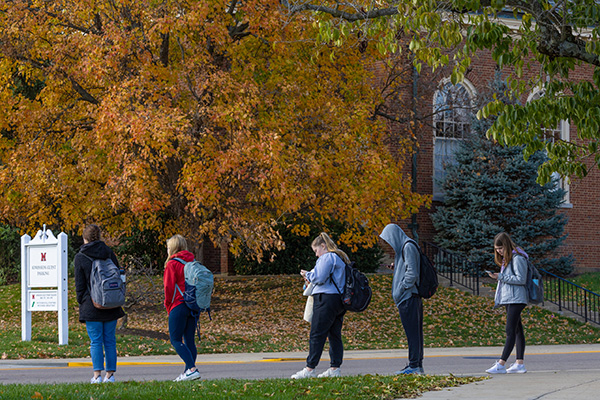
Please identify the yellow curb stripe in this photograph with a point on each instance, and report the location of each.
(124, 363)
(266, 360)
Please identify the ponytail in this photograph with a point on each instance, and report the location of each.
(324, 238)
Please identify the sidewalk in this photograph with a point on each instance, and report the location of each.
(555, 372)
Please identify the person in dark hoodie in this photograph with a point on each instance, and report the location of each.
(101, 324)
(512, 294)
(405, 294)
(182, 320)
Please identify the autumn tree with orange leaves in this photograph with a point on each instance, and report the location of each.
(208, 119)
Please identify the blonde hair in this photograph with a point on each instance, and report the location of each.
(324, 238)
(175, 244)
(503, 240)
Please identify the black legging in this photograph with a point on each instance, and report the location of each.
(514, 331)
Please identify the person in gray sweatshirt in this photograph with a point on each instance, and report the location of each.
(405, 294)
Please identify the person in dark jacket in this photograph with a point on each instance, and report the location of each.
(101, 324)
(182, 321)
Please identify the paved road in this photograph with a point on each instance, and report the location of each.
(566, 371)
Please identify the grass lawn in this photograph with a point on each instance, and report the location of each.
(261, 314)
(590, 281)
(355, 388)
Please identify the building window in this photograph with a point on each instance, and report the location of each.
(560, 132)
(452, 114)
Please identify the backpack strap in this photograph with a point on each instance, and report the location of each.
(86, 256)
(512, 267)
(407, 242)
(332, 281)
(331, 274)
(177, 288)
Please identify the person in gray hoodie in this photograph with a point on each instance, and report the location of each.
(405, 293)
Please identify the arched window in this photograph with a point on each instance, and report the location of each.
(452, 115)
(560, 132)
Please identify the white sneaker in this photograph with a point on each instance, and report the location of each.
(304, 373)
(516, 369)
(497, 369)
(331, 373)
(97, 379)
(110, 379)
(188, 375)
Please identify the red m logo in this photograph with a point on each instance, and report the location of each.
(43, 256)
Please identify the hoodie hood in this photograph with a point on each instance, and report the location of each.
(395, 237)
(520, 251)
(96, 249)
(184, 255)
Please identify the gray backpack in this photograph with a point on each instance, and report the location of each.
(106, 287)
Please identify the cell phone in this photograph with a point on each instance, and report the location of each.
(487, 272)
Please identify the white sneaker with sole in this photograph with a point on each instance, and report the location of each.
(109, 379)
(188, 375)
(497, 369)
(304, 373)
(331, 373)
(516, 369)
(97, 379)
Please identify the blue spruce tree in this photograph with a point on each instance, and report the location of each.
(491, 189)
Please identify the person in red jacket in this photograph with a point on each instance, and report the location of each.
(182, 320)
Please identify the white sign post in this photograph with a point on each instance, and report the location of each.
(44, 265)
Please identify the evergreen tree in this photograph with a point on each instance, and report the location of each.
(491, 189)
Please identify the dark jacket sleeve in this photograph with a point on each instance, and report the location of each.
(81, 279)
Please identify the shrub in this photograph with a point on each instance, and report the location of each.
(10, 254)
(298, 253)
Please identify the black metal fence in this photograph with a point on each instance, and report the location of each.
(565, 294)
(572, 297)
(457, 269)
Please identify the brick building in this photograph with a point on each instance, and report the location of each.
(435, 147)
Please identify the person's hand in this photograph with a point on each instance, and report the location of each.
(493, 275)
(303, 273)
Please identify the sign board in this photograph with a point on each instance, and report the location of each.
(43, 300)
(44, 265)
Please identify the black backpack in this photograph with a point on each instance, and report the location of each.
(357, 292)
(428, 279)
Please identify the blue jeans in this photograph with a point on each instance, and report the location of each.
(411, 315)
(182, 328)
(103, 343)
